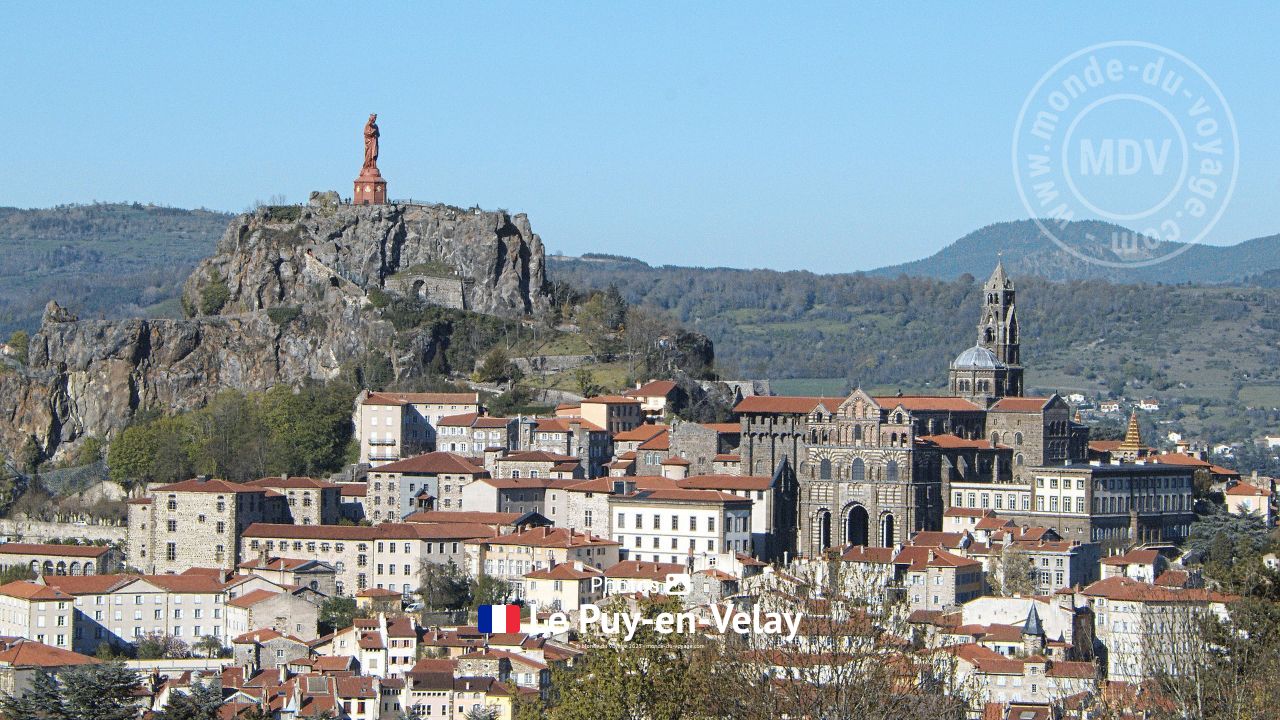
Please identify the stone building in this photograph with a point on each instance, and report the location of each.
(702, 443)
(53, 559)
(871, 470)
(196, 523)
(395, 425)
(309, 501)
(395, 490)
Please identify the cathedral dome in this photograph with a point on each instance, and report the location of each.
(977, 357)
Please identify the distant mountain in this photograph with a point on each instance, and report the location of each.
(110, 260)
(1025, 250)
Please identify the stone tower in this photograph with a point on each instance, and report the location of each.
(1132, 447)
(992, 368)
(1033, 633)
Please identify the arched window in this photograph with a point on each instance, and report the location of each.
(857, 432)
(824, 469)
(75, 568)
(858, 470)
(48, 567)
(1017, 438)
(891, 471)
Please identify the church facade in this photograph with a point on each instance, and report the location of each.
(872, 470)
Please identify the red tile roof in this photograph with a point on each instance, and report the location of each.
(538, 456)
(53, 549)
(784, 404)
(292, 482)
(1119, 587)
(611, 400)
(565, 571)
(605, 484)
(546, 537)
(640, 433)
(684, 495)
(208, 486)
(463, 516)
(565, 425)
(88, 584)
(1020, 404)
(354, 489)
(403, 398)
(32, 591)
(926, 402)
(661, 441)
(252, 598)
(653, 388)
(1239, 489)
(637, 570)
(432, 463)
(27, 653)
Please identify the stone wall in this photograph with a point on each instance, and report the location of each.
(36, 531)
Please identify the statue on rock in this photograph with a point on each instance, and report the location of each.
(370, 188)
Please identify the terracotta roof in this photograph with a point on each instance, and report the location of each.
(83, 551)
(966, 512)
(676, 460)
(313, 532)
(354, 489)
(88, 584)
(377, 592)
(252, 598)
(661, 441)
(565, 571)
(1173, 578)
(727, 482)
(400, 398)
(463, 420)
(1119, 587)
(1239, 489)
(32, 591)
(682, 495)
(611, 400)
(28, 653)
(653, 388)
(185, 583)
(275, 563)
(546, 537)
(292, 482)
(432, 463)
(1020, 404)
(784, 404)
(605, 484)
(209, 486)
(640, 433)
(1184, 459)
(937, 538)
(947, 441)
(637, 570)
(918, 558)
(262, 635)
(1138, 557)
(564, 425)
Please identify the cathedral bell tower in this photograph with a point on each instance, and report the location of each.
(992, 368)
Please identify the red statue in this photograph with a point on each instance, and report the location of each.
(370, 188)
(371, 144)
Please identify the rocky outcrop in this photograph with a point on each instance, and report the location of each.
(295, 305)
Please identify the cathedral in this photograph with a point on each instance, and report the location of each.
(872, 470)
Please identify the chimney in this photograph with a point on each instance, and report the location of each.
(283, 673)
(284, 476)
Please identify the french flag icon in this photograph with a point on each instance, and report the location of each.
(499, 618)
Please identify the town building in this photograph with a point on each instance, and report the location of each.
(422, 482)
(58, 559)
(656, 398)
(574, 437)
(565, 587)
(309, 501)
(681, 525)
(36, 612)
(395, 425)
(511, 557)
(873, 469)
(614, 413)
(197, 523)
(1241, 499)
(471, 433)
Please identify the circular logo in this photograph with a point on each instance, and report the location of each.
(1131, 133)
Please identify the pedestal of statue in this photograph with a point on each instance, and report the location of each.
(370, 188)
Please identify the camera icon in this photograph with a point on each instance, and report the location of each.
(677, 584)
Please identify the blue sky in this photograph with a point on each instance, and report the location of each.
(830, 137)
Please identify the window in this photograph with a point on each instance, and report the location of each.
(172, 525)
(171, 551)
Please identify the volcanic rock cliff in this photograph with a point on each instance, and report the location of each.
(288, 295)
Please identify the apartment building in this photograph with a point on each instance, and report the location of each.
(472, 434)
(197, 523)
(309, 501)
(434, 479)
(534, 464)
(939, 580)
(585, 504)
(574, 437)
(36, 612)
(770, 515)
(614, 413)
(387, 556)
(510, 557)
(392, 425)
(674, 525)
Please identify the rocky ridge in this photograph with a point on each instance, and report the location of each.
(292, 288)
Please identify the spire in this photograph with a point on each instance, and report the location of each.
(1032, 626)
(998, 277)
(1132, 435)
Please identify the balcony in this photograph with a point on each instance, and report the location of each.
(383, 441)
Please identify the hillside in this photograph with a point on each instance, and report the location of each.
(109, 260)
(1216, 350)
(1026, 251)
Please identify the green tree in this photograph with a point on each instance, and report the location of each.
(201, 703)
(20, 344)
(209, 646)
(99, 692)
(444, 586)
(30, 455)
(10, 573)
(338, 612)
(214, 296)
(496, 366)
(489, 590)
(1019, 572)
